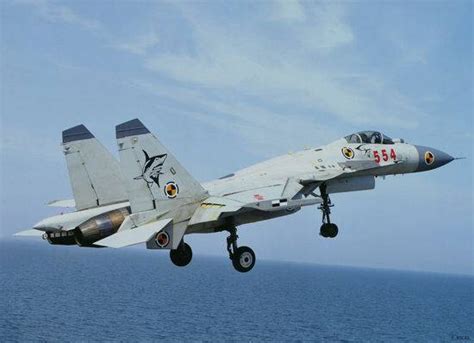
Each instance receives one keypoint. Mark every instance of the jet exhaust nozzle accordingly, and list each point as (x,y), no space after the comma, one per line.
(100,226)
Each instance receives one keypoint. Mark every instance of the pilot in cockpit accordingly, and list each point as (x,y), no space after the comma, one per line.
(369,137)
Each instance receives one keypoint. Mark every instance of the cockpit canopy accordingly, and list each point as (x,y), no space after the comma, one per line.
(369,137)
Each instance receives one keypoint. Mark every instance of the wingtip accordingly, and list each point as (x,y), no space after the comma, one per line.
(132,127)
(76,133)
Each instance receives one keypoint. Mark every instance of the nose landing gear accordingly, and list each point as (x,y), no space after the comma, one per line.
(243,258)
(328,229)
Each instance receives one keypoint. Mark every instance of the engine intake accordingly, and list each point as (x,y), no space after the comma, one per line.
(100,226)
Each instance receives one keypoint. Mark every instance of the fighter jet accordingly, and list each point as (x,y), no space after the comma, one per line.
(149,197)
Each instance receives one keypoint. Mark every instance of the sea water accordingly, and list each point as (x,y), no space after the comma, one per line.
(53,293)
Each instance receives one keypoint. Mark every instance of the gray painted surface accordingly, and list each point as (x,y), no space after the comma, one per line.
(440,158)
(76,133)
(130,128)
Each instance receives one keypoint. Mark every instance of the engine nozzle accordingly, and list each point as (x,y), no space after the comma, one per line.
(100,226)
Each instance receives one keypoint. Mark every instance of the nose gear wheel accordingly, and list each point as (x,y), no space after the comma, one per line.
(328,229)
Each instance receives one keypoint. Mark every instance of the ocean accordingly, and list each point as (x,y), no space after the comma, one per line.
(52,293)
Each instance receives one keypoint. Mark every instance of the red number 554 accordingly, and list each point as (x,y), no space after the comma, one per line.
(385,157)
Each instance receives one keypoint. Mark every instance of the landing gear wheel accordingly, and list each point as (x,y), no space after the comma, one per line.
(329,230)
(181,256)
(243,259)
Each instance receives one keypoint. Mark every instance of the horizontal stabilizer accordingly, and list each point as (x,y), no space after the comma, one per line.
(29,233)
(66,203)
(138,235)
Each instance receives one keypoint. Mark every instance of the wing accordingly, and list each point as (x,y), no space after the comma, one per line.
(236,195)
(263,195)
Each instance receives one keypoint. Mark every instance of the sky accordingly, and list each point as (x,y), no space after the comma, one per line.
(226,84)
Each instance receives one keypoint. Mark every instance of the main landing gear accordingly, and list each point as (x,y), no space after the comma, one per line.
(243,258)
(328,229)
(182,255)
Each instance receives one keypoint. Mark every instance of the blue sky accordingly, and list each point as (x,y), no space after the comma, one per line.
(227,84)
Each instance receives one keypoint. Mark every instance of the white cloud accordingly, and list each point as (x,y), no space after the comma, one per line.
(56,13)
(297,64)
(265,131)
(291,72)
(288,10)
(328,29)
(318,27)
(17,141)
(139,45)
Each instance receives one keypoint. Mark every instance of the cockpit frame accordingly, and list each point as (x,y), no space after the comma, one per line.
(369,137)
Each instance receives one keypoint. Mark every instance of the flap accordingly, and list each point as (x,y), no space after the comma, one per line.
(212,208)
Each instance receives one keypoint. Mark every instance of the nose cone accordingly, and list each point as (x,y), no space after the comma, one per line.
(429,158)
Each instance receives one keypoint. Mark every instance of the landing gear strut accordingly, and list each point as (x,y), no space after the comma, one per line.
(182,255)
(243,258)
(328,229)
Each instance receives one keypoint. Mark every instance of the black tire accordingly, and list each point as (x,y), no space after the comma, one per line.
(329,230)
(333,230)
(181,256)
(243,259)
(323,231)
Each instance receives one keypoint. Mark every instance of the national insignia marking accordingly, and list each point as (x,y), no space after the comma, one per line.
(171,190)
(429,158)
(162,239)
(348,153)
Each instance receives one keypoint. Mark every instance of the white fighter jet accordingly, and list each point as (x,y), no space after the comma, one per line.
(148,197)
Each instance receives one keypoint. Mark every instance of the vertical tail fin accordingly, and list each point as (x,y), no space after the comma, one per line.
(151,173)
(93,172)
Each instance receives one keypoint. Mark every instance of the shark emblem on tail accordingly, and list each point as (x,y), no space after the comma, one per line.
(152,168)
